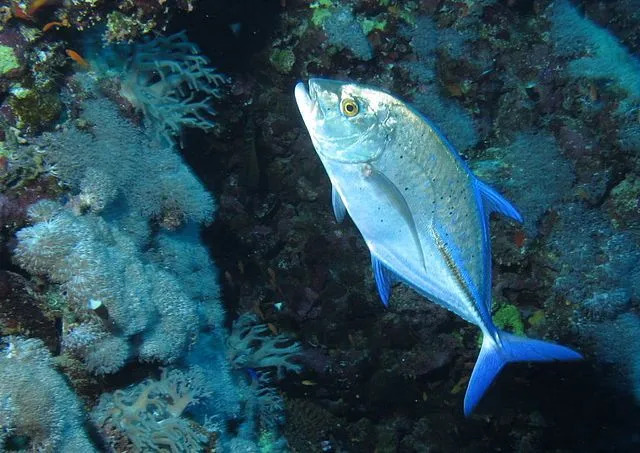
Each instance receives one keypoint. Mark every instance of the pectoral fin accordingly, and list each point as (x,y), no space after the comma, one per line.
(494,202)
(339,210)
(396,200)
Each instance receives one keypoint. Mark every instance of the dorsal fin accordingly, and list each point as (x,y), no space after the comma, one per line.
(494,202)
(339,210)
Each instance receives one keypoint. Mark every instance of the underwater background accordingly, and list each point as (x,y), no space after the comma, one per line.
(172,277)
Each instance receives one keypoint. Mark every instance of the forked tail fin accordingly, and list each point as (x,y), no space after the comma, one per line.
(493,357)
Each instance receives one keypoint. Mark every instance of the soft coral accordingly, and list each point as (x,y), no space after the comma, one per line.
(172,85)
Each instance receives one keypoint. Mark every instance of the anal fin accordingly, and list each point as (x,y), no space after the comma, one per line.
(384,279)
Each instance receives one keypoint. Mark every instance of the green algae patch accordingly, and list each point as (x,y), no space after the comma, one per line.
(507,317)
(322,10)
(376,23)
(282,60)
(34,109)
(125,28)
(8,60)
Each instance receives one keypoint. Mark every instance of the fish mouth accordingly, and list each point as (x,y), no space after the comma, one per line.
(306,103)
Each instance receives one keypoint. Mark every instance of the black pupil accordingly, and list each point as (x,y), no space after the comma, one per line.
(350,107)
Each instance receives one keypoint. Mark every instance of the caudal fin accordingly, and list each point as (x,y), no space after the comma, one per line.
(493,357)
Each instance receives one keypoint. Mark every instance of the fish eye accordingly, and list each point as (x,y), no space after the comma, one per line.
(349,107)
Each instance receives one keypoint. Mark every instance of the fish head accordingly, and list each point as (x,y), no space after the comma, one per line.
(347,122)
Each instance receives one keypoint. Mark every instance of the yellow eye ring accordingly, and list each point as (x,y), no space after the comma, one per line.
(349,107)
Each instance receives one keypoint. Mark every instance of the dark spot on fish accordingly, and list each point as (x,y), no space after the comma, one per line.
(406,188)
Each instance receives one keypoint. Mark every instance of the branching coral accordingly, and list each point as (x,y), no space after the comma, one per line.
(251,345)
(172,85)
(109,160)
(150,413)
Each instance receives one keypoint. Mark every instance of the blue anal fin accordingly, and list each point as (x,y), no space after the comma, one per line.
(384,280)
(494,202)
(493,357)
(339,210)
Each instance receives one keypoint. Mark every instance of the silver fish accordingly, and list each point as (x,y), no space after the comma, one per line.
(422,213)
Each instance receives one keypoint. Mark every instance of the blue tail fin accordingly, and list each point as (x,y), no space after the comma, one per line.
(493,357)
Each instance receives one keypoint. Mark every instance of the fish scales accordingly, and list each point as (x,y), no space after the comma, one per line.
(427,161)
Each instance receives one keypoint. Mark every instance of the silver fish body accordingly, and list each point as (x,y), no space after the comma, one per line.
(422,213)
(411,197)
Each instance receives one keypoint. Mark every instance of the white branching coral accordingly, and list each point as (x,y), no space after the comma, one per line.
(172,85)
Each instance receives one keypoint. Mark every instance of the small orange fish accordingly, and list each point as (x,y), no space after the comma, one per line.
(55,23)
(75,56)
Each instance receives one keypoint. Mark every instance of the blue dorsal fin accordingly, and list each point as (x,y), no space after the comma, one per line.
(384,279)
(339,210)
(494,202)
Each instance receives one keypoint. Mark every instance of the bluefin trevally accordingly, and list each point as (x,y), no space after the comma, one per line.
(421,211)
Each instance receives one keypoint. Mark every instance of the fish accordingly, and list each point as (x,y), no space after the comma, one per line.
(49,25)
(422,213)
(75,56)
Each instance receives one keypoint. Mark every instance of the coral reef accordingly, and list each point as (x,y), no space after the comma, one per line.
(38,410)
(104,158)
(162,81)
(150,413)
(600,55)
(425,39)
(101,268)
(95,245)
(344,31)
(517,168)
(124,267)
(251,346)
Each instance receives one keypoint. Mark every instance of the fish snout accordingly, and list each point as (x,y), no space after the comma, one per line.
(305,104)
